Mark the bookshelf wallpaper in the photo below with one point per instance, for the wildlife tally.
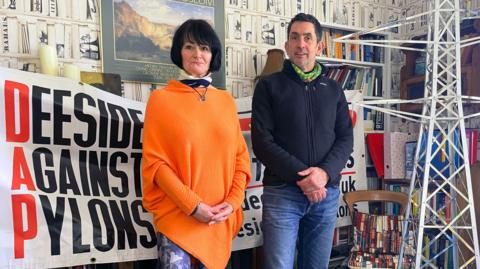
(71, 26)
(25, 24)
(252, 27)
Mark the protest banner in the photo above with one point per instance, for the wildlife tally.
(70, 172)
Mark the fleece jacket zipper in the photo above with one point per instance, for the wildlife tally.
(309, 124)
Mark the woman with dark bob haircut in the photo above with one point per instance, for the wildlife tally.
(196, 31)
(196, 164)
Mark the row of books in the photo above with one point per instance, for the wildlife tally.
(439, 251)
(366, 80)
(377, 233)
(248, 62)
(441, 150)
(355, 52)
(394, 208)
(81, 10)
(368, 260)
(22, 35)
(400, 148)
(373, 182)
(373, 120)
(438, 210)
(341, 235)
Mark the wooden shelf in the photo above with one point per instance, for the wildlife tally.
(415, 79)
(409, 84)
(412, 86)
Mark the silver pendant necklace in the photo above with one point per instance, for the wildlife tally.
(203, 96)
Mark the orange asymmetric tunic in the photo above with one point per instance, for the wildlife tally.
(193, 152)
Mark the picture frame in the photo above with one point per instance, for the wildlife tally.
(137, 36)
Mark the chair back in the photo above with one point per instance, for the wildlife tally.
(400, 198)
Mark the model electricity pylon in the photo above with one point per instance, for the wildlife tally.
(441, 210)
(440, 228)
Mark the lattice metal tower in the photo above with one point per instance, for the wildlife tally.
(441, 209)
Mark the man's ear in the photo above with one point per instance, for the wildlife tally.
(320, 47)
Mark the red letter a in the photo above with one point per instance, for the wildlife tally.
(21, 173)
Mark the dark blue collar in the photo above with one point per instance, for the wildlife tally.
(195, 83)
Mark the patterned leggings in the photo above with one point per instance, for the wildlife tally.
(171, 256)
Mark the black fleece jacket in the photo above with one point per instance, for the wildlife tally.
(296, 125)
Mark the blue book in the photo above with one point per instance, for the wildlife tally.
(410, 148)
(440, 160)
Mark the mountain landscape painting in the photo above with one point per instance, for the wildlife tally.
(144, 29)
(136, 36)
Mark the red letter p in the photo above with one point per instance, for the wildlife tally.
(20, 234)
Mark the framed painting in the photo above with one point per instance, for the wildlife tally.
(137, 36)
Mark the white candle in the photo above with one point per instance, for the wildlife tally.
(48, 60)
(71, 71)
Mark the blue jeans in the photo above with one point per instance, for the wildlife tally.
(288, 216)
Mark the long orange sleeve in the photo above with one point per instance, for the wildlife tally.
(237, 192)
(194, 151)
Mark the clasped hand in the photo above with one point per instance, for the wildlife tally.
(313, 183)
(213, 214)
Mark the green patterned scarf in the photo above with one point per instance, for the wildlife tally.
(307, 77)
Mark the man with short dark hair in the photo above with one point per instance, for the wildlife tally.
(302, 133)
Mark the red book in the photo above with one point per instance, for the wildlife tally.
(472, 138)
(334, 237)
(448, 211)
(375, 148)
